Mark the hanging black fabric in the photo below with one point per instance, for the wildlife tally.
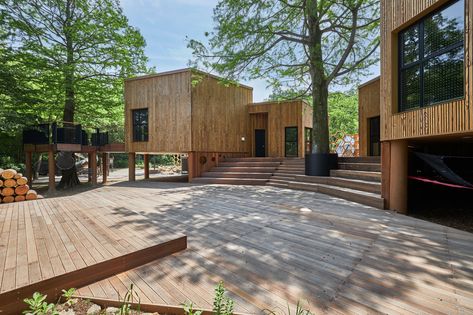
(438, 164)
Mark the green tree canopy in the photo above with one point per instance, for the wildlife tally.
(299, 45)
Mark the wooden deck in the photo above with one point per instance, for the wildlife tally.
(273, 247)
(55, 243)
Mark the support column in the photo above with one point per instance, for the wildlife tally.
(398, 176)
(93, 167)
(146, 165)
(29, 167)
(51, 172)
(385, 171)
(105, 166)
(131, 166)
(191, 167)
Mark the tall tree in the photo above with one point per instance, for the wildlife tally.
(79, 52)
(295, 44)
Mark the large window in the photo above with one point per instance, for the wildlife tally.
(431, 56)
(140, 124)
(290, 140)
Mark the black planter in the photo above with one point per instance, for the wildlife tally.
(320, 164)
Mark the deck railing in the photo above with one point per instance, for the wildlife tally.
(63, 133)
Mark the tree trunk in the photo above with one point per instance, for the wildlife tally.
(320, 132)
(69, 177)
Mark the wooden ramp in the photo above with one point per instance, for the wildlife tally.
(274, 247)
(57, 243)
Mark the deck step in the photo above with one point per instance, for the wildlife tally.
(249, 164)
(230, 181)
(367, 186)
(360, 159)
(369, 167)
(366, 198)
(284, 177)
(254, 159)
(247, 169)
(358, 175)
(236, 175)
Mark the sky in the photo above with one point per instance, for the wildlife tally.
(165, 24)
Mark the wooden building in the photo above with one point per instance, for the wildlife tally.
(198, 114)
(425, 87)
(368, 118)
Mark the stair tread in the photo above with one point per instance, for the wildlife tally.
(358, 172)
(367, 182)
(355, 191)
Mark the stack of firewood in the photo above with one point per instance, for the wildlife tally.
(14, 187)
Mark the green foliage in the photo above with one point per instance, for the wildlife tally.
(295, 45)
(343, 113)
(300, 310)
(68, 294)
(223, 305)
(130, 298)
(38, 305)
(189, 309)
(9, 162)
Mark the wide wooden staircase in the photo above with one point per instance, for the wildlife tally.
(356, 179)
(241, 171)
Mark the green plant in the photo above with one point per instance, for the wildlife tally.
(130, 297)
(39, 306)
(223, 305)
(189, 309)
(68, 295)
(300, 310)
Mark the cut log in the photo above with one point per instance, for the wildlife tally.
(8, 199)
(9, 182)
(18, 175)
(1, 183)
(22, 180)
(20, 198)
(8, 191)
(22, 190)
(31, 195)
(7, 174)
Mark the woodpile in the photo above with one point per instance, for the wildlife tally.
(14, 187)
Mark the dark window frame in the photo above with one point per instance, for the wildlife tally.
(296, 142)
(137, 134)
(308, 140)
(423, 60)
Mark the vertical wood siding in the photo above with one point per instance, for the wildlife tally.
(368, 107)
(455, 117)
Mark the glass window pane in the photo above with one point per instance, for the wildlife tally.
(291, 134)
(410, 45)
(444, 28)
(410, 88)
(291, 148)
(443, 77)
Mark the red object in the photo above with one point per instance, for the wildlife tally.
(436, 182)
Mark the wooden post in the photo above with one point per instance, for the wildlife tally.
(29, 167)
(398, 176)
(385, 171)
(191, 167)
(146, 165)
(131, 166)
(93, 167)
(51, 171)
(105, 166)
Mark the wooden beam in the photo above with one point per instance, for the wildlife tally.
(93, 167)
(131, 166)
(146, 165)
(105, 166)
(398, 176)
(51, 171)
(191, 167)
(11, 302)
(385, 171)
(29, 167)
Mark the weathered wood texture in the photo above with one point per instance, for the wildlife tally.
(219, 116)
(205, 116)
(168, 99)
(368, 107)
(274, 247)
(446, 118)
(47, 245)
(279, 115)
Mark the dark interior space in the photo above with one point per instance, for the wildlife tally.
(440, 185)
